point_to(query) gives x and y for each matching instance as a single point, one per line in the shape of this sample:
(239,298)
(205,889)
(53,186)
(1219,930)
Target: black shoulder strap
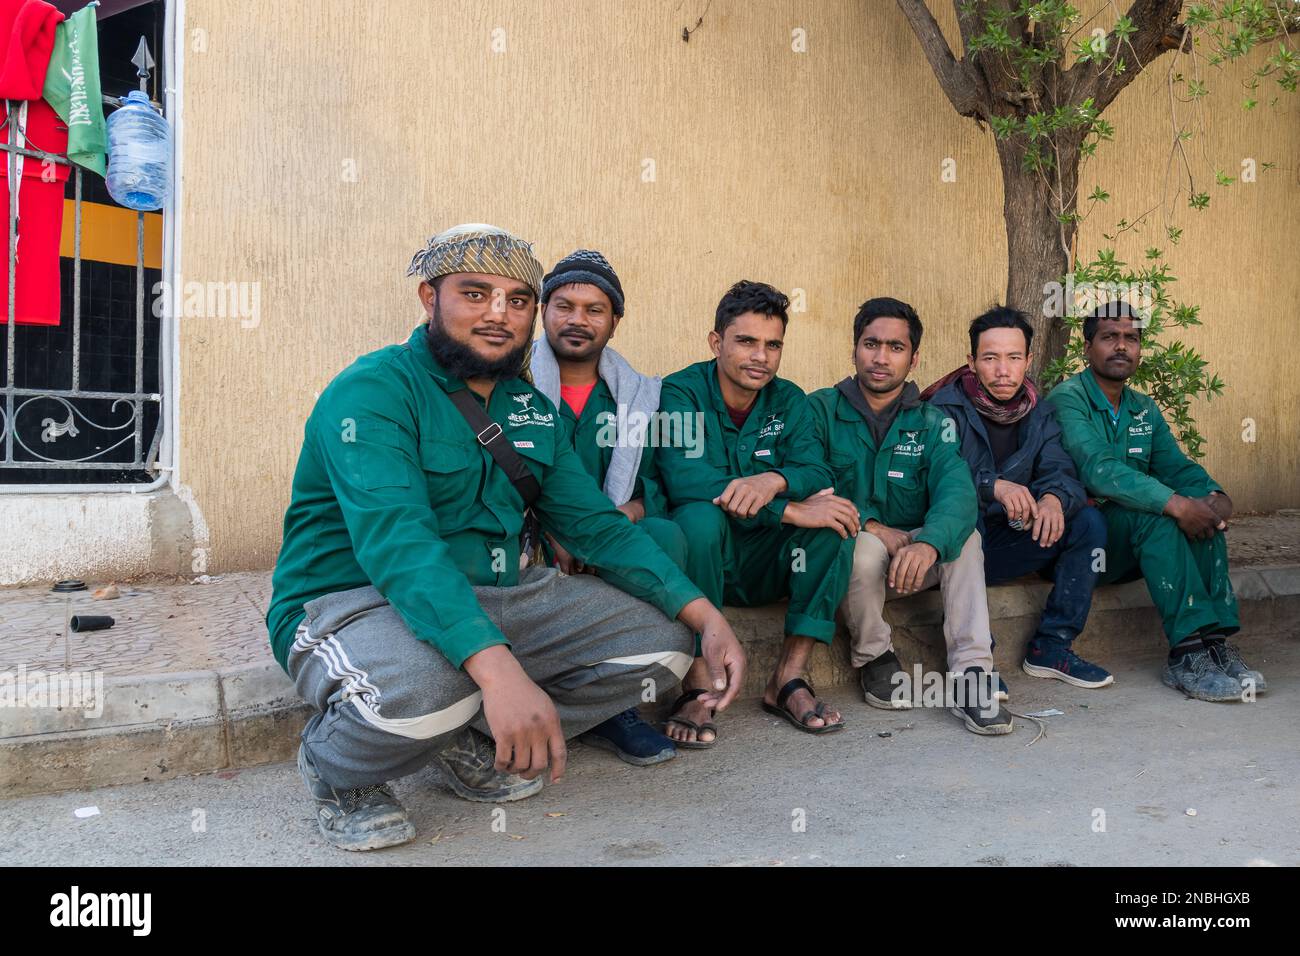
(491,437)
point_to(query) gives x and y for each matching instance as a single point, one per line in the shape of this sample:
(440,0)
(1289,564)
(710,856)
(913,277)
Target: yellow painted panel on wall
(108,234)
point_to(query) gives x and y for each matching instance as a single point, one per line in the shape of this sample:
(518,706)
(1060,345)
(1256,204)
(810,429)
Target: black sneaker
(361,818)
(1198,674)
(1228,657)
(989,721)
(879,686)
(468,766)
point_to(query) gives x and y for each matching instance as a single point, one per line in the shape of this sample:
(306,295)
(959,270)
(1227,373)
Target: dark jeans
(1009,554)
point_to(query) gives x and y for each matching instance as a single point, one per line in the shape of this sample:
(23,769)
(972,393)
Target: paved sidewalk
(186,682)
(928,794)
(171,627)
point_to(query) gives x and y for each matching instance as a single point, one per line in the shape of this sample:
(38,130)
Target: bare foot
(696,713)
(801,702)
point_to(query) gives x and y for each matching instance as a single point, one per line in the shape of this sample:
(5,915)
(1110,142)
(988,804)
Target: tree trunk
(1037,241)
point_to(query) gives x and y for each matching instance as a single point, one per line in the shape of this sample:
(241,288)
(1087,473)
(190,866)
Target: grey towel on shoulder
(632,391)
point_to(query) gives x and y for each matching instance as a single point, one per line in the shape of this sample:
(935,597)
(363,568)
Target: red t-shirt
(738,417)
(575,396)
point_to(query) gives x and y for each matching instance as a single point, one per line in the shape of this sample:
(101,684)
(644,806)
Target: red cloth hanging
(26,42)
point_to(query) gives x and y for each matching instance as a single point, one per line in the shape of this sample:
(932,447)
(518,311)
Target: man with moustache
(1165,516)
(896,459)
(756,505)
(589,383)
(1034,515)
(399,608)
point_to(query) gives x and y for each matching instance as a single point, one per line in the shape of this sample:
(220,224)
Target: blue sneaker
(1054,659)
(632,739)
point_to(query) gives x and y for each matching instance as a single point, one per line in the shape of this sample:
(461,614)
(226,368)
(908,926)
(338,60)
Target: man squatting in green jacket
(591,384)
(754,499)
(399,608)
(1165,516)
(899,462)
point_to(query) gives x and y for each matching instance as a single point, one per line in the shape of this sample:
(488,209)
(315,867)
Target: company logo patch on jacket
(1140,424)
(910,446)
(771,428)
(527,415)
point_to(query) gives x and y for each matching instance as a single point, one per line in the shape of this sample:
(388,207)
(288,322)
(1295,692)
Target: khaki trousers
(965,604)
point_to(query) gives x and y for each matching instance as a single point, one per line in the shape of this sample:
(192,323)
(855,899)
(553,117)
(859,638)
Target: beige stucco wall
(325,141)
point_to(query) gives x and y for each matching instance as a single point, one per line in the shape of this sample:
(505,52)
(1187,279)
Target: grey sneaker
(987,722)
(1197,674)
(1228,657)
(362,818)
(876,678)
(468,766)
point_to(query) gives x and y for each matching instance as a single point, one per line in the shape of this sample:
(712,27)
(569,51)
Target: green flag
(72,88)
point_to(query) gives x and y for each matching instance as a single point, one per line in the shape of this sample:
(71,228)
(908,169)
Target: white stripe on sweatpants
(675,661)
(426,726)
(462,712)
(337,664)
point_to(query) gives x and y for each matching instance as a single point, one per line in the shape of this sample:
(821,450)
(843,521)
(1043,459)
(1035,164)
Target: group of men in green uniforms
(495,545)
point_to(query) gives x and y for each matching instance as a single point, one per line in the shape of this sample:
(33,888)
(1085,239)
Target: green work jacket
(713,451)
(1134,460)
(914,479)
(393,490)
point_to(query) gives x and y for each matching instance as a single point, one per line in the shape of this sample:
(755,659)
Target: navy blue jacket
(1041,463)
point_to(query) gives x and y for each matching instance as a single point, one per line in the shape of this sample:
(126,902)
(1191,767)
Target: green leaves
(1172,373)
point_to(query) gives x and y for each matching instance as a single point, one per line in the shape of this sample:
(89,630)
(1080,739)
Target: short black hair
(1118,309)
(886,308)
(746,296)
(1000,317)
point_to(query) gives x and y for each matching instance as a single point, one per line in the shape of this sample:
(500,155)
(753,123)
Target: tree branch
(954,79)
(1158,31)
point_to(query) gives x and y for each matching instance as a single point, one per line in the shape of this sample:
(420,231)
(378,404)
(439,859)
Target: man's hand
(1221,504)
(521,718)
(908,569)
(892,538)
(1049,524)
(823,510)
(1017,500)
(745,497)
(720,649)
(1195,518)
(564,560)
(634,509)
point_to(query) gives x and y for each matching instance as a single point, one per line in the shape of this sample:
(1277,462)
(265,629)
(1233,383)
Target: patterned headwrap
(476,247)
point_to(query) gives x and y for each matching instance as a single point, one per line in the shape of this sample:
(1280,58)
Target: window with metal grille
(81,400)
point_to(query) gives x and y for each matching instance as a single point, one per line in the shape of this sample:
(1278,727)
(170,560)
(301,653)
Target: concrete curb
(158,726)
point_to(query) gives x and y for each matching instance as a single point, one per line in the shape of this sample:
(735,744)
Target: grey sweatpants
(386,702)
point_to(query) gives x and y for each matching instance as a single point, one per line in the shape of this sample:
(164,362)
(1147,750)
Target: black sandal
(706,727)
(780,709)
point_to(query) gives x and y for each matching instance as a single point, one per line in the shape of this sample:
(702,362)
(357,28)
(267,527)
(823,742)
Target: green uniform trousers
(1188,580)
(663,532)
(756,565)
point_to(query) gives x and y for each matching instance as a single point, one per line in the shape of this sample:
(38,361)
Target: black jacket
(1041,463)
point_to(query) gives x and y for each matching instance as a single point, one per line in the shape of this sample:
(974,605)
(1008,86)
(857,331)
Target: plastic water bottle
(139,155)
